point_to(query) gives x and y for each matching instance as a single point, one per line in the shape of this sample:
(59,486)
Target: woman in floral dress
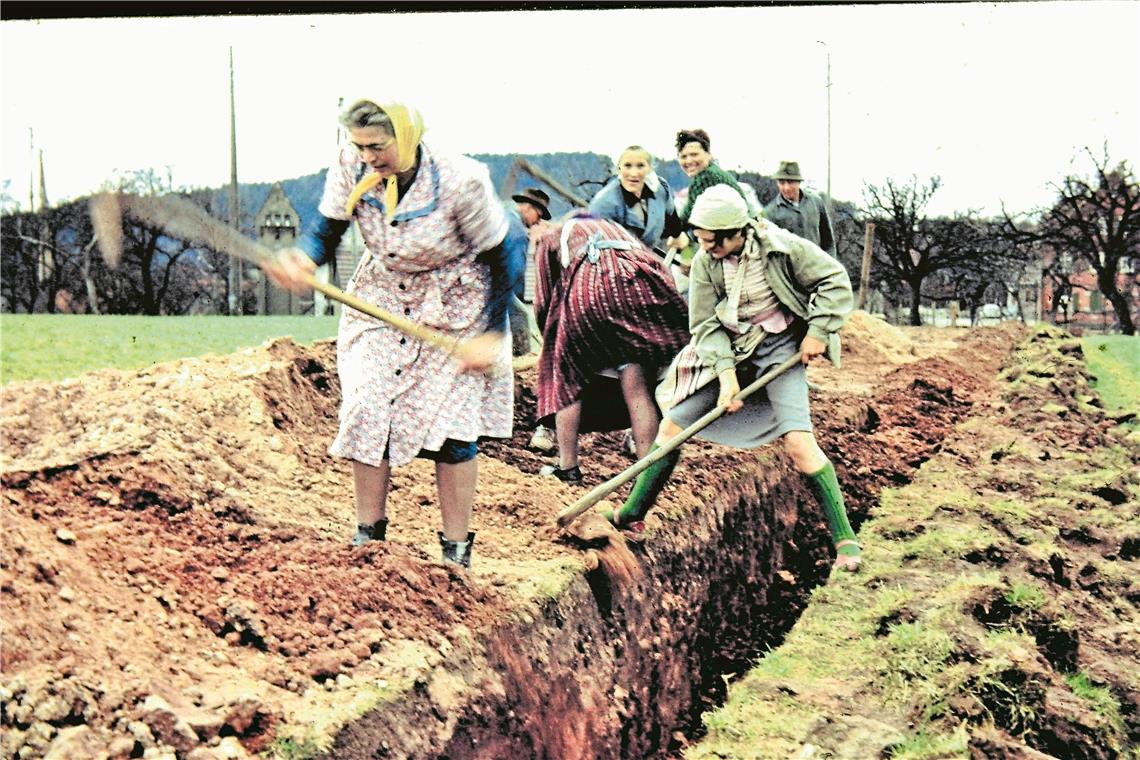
(437,253)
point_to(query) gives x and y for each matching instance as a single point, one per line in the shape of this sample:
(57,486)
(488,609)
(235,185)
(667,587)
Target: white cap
(720,207)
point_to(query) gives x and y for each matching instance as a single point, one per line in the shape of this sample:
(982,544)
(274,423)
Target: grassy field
(1115,360)
(941,640)
(57,346)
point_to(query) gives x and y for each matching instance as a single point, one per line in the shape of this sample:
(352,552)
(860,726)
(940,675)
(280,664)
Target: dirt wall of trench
(175,574)
(618,659)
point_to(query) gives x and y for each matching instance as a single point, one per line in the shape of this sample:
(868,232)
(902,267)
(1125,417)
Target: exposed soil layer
(176,578)
(998,614)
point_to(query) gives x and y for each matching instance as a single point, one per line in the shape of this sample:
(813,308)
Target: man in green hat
(798,211)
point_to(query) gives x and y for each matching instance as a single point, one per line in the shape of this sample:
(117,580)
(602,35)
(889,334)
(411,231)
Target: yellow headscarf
(407,129)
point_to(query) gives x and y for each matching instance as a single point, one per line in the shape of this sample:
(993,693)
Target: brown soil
(175,570)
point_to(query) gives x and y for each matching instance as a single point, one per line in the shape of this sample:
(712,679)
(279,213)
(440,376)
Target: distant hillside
(581,173)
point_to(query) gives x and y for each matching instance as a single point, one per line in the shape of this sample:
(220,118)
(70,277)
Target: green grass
(1115,360)
(58,346)
(901,643)
(288,748)
(1100,698)
(1025,596)
(927,746)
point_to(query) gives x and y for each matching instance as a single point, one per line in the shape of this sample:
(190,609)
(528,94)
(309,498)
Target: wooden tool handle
(566,516)
(408,327)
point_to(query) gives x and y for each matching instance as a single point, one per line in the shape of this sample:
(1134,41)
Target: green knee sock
(647,487)
(826,488)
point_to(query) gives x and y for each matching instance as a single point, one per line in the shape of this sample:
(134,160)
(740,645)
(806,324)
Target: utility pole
(830,212)
(865,269)
(235,206)
(31,171)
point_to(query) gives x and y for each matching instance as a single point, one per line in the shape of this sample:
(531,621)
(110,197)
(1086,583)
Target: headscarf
(719,207)
(407,130)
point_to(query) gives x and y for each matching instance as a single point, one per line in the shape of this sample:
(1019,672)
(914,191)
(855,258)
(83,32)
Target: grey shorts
(778,408)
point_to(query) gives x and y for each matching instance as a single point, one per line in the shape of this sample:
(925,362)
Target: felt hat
(536,198)
(789,170)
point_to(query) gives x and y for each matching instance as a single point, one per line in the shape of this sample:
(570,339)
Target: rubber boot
(645,491)
(374,532)
(457,552)
(826,487)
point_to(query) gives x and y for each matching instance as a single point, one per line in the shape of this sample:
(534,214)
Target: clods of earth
(177,579)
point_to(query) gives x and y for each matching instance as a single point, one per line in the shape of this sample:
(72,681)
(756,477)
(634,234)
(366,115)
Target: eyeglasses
(374,147)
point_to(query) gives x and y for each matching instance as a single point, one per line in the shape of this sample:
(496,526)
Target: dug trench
(176,580)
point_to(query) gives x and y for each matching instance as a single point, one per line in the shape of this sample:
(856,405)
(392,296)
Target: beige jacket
(805,279)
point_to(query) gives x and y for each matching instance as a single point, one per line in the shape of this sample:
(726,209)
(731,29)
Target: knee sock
(826,488)
(647,487)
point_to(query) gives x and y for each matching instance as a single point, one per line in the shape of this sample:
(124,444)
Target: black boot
(457,552)
(572,475)
(374,532)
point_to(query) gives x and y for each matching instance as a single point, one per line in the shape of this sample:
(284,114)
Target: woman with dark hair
(759,295)
(694,154)
(695,158)
(438,253)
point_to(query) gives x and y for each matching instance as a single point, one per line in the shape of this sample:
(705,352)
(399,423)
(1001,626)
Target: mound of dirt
(175,569)
(872,337)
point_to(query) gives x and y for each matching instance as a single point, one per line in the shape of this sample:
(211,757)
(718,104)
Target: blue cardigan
(610,204)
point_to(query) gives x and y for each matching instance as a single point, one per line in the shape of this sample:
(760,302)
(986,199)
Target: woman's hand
(810,348)
(729,387)
(681,242)
(291,269)
(479,353)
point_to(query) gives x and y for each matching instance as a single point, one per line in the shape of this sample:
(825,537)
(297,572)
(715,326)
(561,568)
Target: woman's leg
(813,463)
(650,482)
(370,484)
(804,451)
(456,486)
(642,408)
(566,423)
(667,430)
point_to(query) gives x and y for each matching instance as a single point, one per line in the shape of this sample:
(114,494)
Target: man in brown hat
(533,206)
(797,211)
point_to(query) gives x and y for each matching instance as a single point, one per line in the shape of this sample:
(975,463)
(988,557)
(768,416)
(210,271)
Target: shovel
(566,516)
(186,220)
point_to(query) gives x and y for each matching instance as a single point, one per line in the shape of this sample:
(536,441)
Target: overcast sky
(997,99)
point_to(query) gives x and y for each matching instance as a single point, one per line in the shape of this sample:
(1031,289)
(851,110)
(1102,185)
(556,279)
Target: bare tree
(1095,221)
(158,274)
(42,254)
(997,271)
(19,252)
(909,246)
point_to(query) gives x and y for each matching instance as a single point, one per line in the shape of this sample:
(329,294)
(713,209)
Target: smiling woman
(638,199)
